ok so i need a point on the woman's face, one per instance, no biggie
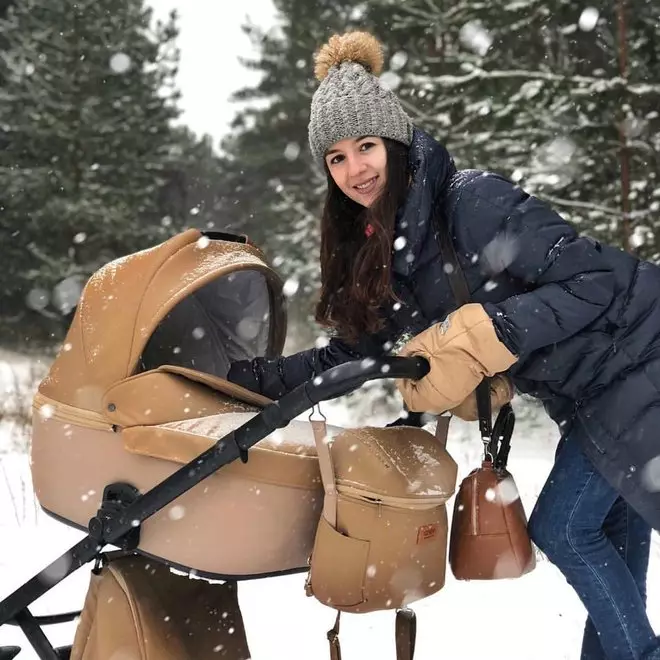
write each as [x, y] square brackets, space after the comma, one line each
[359, 167]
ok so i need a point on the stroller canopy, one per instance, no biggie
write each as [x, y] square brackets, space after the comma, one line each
[194, 301]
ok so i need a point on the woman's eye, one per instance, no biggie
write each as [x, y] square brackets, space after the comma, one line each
[335, 159]
[365, 146]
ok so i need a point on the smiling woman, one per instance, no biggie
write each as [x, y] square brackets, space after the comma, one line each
[368, 180]
[358, 167]
[573, 323]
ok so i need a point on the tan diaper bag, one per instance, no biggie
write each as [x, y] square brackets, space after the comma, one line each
[137, 609]
[381, 541]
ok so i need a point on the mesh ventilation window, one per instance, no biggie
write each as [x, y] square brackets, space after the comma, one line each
[224, 321]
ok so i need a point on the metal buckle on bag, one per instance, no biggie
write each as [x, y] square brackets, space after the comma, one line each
[488, 455]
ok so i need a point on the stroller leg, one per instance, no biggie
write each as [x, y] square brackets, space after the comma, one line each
[9, 652]
[36, 636]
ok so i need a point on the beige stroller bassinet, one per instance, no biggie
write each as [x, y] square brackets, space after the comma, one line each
[138, 389]
[135, 417]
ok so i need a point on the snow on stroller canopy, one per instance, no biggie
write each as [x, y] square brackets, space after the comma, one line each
[191, 301]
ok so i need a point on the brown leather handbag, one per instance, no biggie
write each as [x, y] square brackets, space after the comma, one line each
[489, 539]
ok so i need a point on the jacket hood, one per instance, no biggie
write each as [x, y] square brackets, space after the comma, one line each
[431, 168]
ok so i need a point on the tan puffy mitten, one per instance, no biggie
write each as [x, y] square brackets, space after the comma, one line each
[461, 351]
[501, 393]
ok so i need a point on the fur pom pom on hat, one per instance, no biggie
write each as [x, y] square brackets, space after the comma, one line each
[350, 101]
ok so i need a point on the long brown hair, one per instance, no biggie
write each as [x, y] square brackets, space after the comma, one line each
[355, 268]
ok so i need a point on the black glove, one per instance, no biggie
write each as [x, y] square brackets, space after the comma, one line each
[242, 373]
[412, 419]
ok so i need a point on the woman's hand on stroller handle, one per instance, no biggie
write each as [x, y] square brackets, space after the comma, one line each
[345, 378]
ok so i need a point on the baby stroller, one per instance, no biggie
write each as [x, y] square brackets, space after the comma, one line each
[131, 427]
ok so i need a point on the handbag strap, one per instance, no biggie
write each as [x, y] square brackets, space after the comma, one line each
[461, 291]
[502, 432]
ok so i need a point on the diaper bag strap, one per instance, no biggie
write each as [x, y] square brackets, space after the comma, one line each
[405, 633]
[442, 429]
[327, 471]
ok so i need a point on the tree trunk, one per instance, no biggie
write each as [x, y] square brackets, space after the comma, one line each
[624, 153]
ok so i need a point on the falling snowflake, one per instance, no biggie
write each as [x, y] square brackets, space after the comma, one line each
[177, 512]
[37, 299]
[321, 342]
[640, 235]
[554, 163]
[390, 80]
[400, 243]
[120, 63]
[46, 411]
[507, 491]
[588, 19]
[66, 294]
[474, 36]
[651, 475]
[292, 151]
[248, 328]
[398, 60]
[290, 287]
[490, 285]
[500, 253]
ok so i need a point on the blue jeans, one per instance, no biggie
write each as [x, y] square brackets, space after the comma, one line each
[602, 548]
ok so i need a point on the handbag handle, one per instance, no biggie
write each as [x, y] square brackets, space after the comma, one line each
[461, 291]
[502, 432]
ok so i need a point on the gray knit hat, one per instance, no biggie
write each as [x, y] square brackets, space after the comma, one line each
[350, 101]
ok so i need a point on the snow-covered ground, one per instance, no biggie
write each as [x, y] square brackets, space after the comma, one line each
[535, 618]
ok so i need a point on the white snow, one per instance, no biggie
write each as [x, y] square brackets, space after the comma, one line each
[537, 617]
[588, 19]
[290, 287]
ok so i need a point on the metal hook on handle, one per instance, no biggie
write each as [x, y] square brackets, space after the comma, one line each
[317, 406]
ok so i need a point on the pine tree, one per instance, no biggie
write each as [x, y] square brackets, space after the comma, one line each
[86, 102]
[196, 192]
[539, 90]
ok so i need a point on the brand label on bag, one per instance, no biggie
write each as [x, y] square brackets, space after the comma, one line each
[426, 533]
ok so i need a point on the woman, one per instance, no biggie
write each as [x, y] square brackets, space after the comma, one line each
[573, 323]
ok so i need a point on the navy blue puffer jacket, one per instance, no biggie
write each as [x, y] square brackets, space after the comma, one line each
[583, 319]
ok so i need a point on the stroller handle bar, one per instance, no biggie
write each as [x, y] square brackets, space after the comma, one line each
[339, 381]
[344, 378]
[114, 527]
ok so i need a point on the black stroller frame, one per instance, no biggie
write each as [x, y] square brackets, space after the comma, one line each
[123, 509]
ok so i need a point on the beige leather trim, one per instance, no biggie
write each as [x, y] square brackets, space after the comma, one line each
[168, 395]
[220, 384]
[264, 465]
[62, 412]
